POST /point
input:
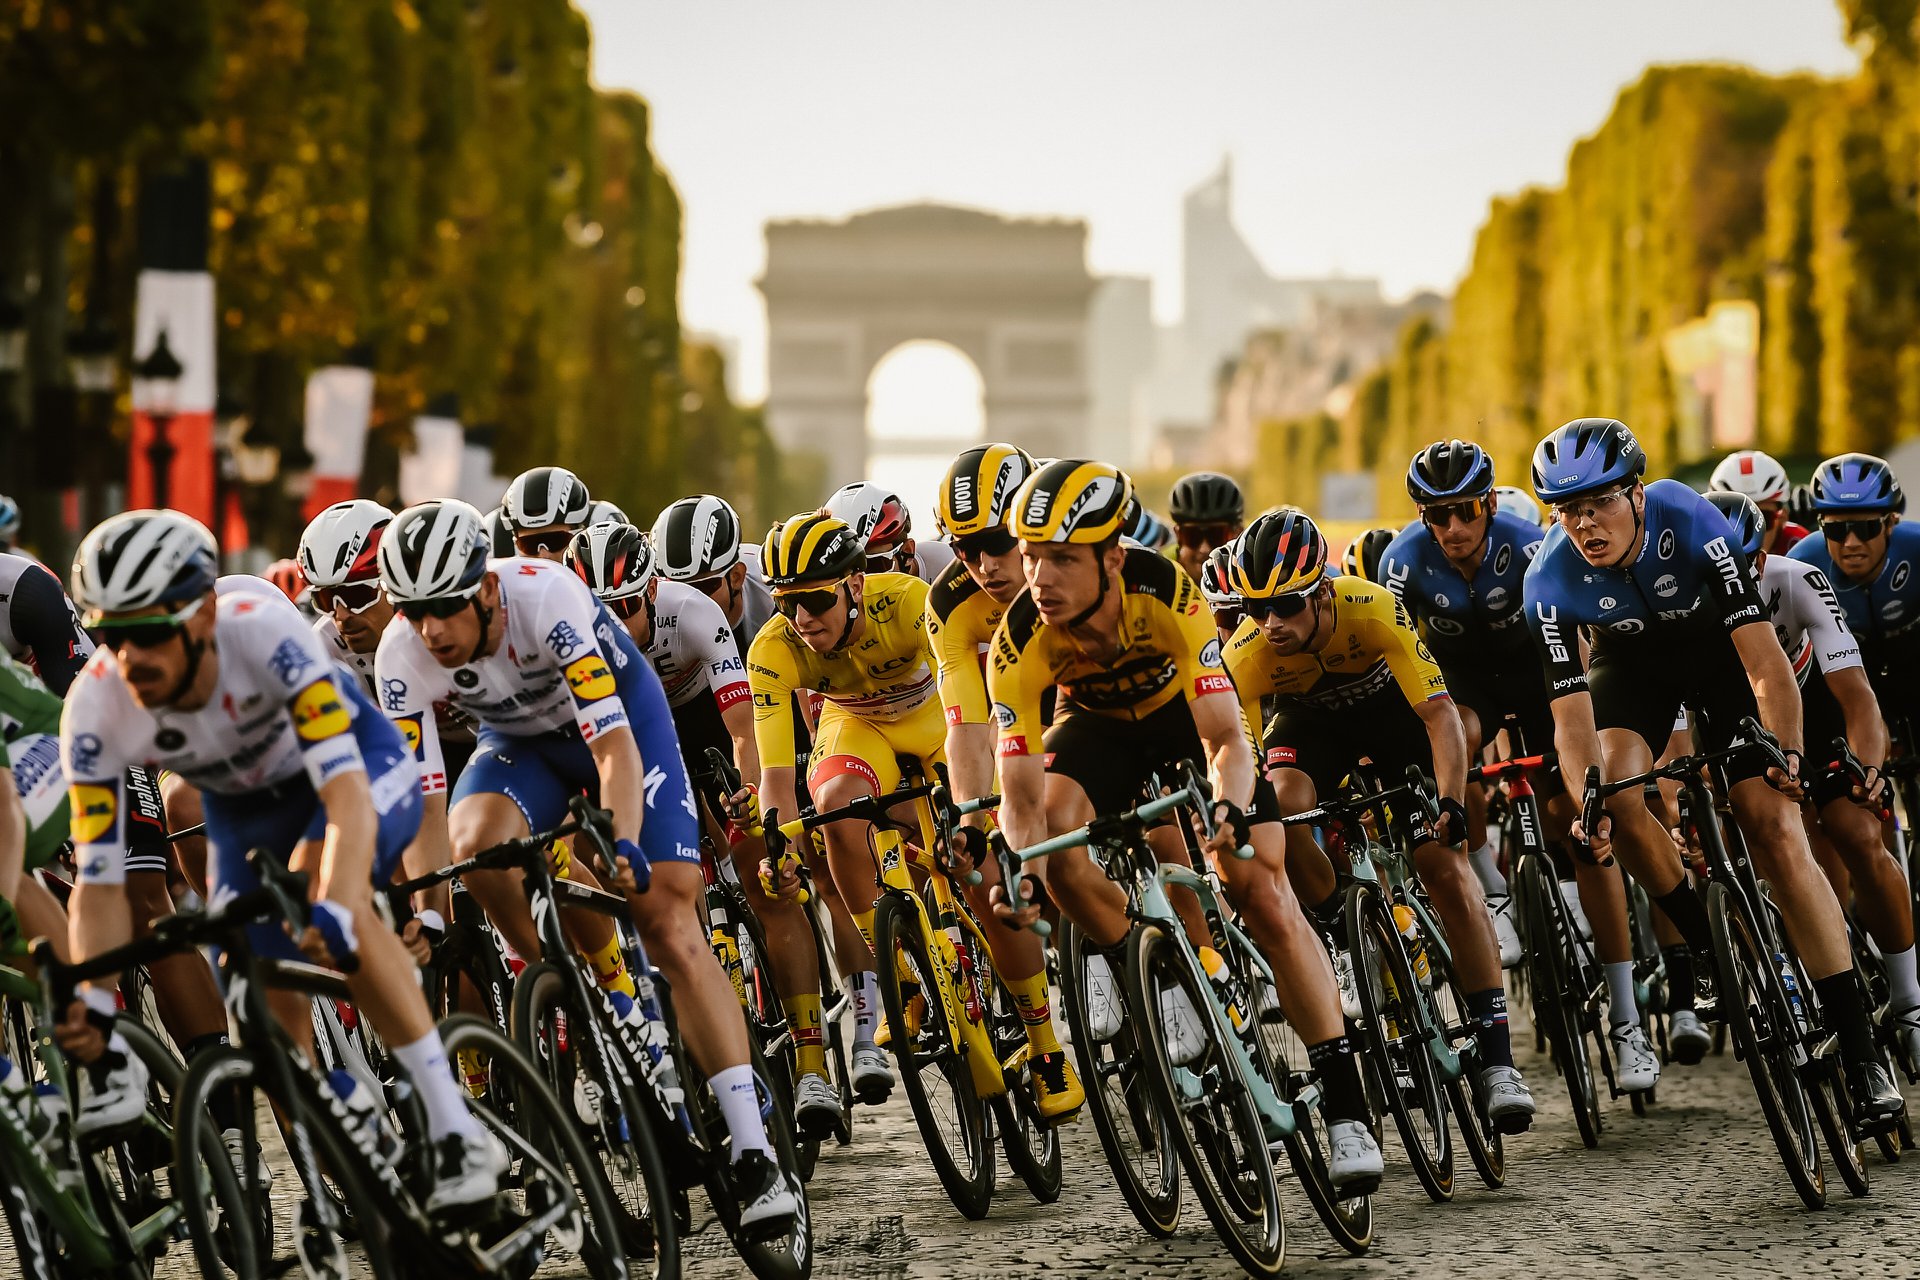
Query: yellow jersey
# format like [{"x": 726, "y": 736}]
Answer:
[{"x": 960, "y": 623}]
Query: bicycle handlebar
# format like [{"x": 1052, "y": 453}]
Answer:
[
  {"x": 1544, "y": 762},
  {"x": 593, "y": 822},
  {"x": 1353, "y": 803},
  {"x": 1848, "y": 763},
  {"x": 1756, "y": 738}
]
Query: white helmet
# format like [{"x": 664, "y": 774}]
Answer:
[
  {"x": 142, "y": 559},
  {"x": 1753, "y": 473},
  {"x": 432, "y": 551},
  {"x": 600, "y": 511},
  {"x": 874, "y": 513},
  {"x": 696, "y": 537},
  {"x": 544, "y": 497},
  {"x": 342, "y": 544},
  {"x": 499, "y": 536},
  {"x": 613, "y": 559},
  {"x": 1516, "y": 502}
]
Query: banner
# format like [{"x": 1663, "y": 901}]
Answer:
[
  {"x": 179, "y": 304},
  {"x": 339, "y": 408},
  {"x": 433, "y": 469}
]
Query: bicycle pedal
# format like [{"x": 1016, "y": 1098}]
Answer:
[{"x": 1357, "y": 1189}]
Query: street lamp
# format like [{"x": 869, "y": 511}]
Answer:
[
  {"x": 90, "y": 358},
  {"x": 161, "y": 371}
]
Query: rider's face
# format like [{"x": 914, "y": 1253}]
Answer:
[
  {"x": 824, "y": 632},
  {"x": 1064, "y": 577},
  {"x": 1854, "y": 556},
  {"x": 154, "y": 672},
  {"x": 1458, "y": 538},
  {"x": 1602, "y": 527},
  {"x": 452, "y": 641},
  {"x": 1292, "y": 633},
  {"x": 999, "y": 576}
]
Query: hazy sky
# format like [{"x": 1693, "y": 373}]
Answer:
[{"x": 1367, "y": 135}]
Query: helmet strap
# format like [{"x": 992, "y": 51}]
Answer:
[
  {"x": 485, "y": 615},
  {"x": 1080, "y": 619},
  {"x": 195, "y": 650},
  {"x": 851, "y": 616}
]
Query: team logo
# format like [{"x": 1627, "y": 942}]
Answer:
[
  {"x": 91, "y": 811},
  {"x": 83, "y": 755},
  {"x": 1210, "y": 656},
  {"x": 1665, "y": 585},
  {"x": 409, "y": 727},
  {"x": 1607, "y": 602},
  {"x": 289, "y": 662},
  {"x": 1003, "y": 715},
  {"x": 170, "y": 739},
  {"x": 1627, "y": 626},
  {"x": 589, "y": 678},
  {"x": 1901, "y": 572},
  {"x": 1446, "y": 626},
  {"x": 1666, "y": 544},
  {"x": 1501, "y": 559},
  {"x": 393, "y": 694},
  {"x": 1441, "y": 600},
  {"x": 318, "y": 713},
  {"x": 466, "y": 678},
  {"x": 563, "y": 640},
  {"x": 1497, "y": 599}
]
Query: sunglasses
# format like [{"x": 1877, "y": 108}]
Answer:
[
  {"x": 710, "y": 586},
  {"x": 1203, "y": 535},
  {"x": 1227, "y": 617},
  {"x": 625, "y": 607},
  {"x": 1442, "y": 514},
  {"x": 815, "y": 600},
  {"x": 988, "y": 542},
  {"x": 882, "y": 564},
  {"x": 357, "y": 597},
  {"x": 147, "y": 631},
  {"x": 439, "y": 607},
  {"x": 1286, "y": 606},
  {"x": 1840, "y": 530},
  {"x": 532, "y": 544},
  {"x": 1587, "y": 509}
]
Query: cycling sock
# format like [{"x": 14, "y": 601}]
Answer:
[
  {"x": 803, "y": 1016},
  {"x": 1682, "y": 906},
  {"x": 1680, "y": 993},
  {"x": 1847, "y": 1017},
  {"x": 610, "y": 969},
  {"x": 863, "y": 921},
  {"x": 1338, "y": 1067},
  {"x": 225, "y": 1103},
  {"x": 740, "y": 1108},
  {"x": 1623, "y": 1009},
  {"x": 1903, "y": 988},
  {"x": 865, "y": 987},
  {"x": 1036, "y": 1014},
  {"x": 1489, "y": 1009},
  {"x": 1487, "y": 867},
  {"x": 425, "y": 1061}
]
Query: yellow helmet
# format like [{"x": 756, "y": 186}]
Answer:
[
  {"x": 976, "y": 494},
  {"x": 813, "y": 547},
  {"x": 1281, "y": 553},
  {"x": 1072, "y": 500}
]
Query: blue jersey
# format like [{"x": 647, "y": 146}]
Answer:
[
  {"x": 1688, "y": 567},
  {"x": 1478, "y": 623},
  {"x": 1884, "y": 614}
]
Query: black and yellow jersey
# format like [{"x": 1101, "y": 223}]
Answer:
[
  {"x": 887, "y": 674},
  {"x": 1373, "y": 648},
  {"x": 961, "y": 619},
  {"x": 1165, "y": 647}
]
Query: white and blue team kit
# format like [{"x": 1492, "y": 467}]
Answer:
[
  {"x": 283, "y": 720},
  {"x": 563, "y": 674}
]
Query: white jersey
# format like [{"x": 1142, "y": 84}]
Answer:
[
  {"x": 553, "y": 668},
  {"x": 756, "y": 599},
  {"x": 1807, "y": 618},
  {"x": 361, "y": 664},
  {"x": 931, "y": 557},
  {"x": 275, "y": 711},
  {"x": 693, "y": 650}
]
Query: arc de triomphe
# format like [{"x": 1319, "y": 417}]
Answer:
[{"x": 1010, "y": 293}]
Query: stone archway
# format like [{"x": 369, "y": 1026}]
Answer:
[{"x": 1011, "y": 294}]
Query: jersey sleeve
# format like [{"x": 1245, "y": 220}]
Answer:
[
  {"x": 96, "y": 800},
  {"x": 407, "y": 693},
  {"x": 1017, "y": 678},
  {"x": 956, "y": 653},
  {"x": 1205, "y": 664},
  {"x": 726, "y": 671},
  {"x": 1728, "y": 582},
  {"x": 1398, "y": 563},
  {"x": 1553, "y": 634},
  {"x": 773, "y": 675},
  {"x": 297, "y": 667},
  {"x": 45, "y": 625},
  {"x": 573, "y": 643},
  {"x": 1413, "y": 668},
  {"x": 1834, "y": 645}
]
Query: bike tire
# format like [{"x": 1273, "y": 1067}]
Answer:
[
  {"x": 1486, "y": 1149},
  {"x": 1032, "y": 1146},
  {"x": 956, "y": 1134},
  {"x": 1547, "y": 966},
  {"x": 1403, "y": 1069},
  {"x": 1229, "y": 1165},
  {"x": 230, "y": 1226},
  {"x": 1349, "y": 1219},
  {"x": 1131, "y": 1129},
  {"x": 36, "y": 1249},
  {"x": 1749, "y": 1008}
]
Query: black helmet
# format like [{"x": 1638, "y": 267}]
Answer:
[
  {"x": 1448, "y": 470},
  {"x": 1749, "y": 526},
  {"x": 1365, "y": 552},
  {"x": 1206, "y": 497}
]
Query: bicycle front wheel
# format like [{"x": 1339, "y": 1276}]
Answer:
[{"x": 1281, "y": 1055}]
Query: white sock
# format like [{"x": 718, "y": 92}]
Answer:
[
  {"x": 1487, "y": 867},
  {"x": 1903, "y": 988},
  {"x": 740, "y": 1107},
  {"x": 444, "y": 1097},
  {"x": 866, "y": 1005},
  {"x": 1622, "y": 1007}
]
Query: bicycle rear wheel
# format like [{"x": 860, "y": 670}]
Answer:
[
  {"x": 1133, "y": 1133},
  {"x": 229, "y": 1221},
  {"x": 1485, "y": 1147},
  {"x": 1548, "y": 963},
  {"x": 1281, "y": 1056},
  {"x": 1212, "y": 1120},
  {"x": 1031, "y": 1144}
]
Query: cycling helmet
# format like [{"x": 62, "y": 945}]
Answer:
[
  {"x": 1749, "y": 526},
  {"x": 814, "y": 547},
  {"x": 499, "y": 535},
  {"x": 1072, "y": 500},
  {"x": 289, "y": 579},
  {"x": 1448, "y": 471},
  {"x": 1753, "y": 473},
  {"x": 432, "y": 551},
  {"x": 342, "y": 544},
  {"x": 874, "y": 513},
  {"x": 9, "y": 518},
  {"x": 1857, "y": 482},
  {"x": 544, "y": 497},
  {"x": 600, "y": 511},
  {"x": 1586, "y": 455},
  {"x": 696, "y": 538},
  {"x": 1516, "y": 501},
  {"x": 1800, "y": 507},
  {"x": 614, "y": 560},
  {"x": 143, "y": 560},
  {"x": 977, "y": 492},
  {"x": 1281, "y": 553},
  {"x": 1145, "y": 528},
  {"x": 1215, "y": 573},
  {"x": 1206, "y": 497},
  {"x": 1362, "y": 559}
]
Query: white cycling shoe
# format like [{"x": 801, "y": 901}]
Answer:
[
  {"x": 1636, "y": 1068},
  {"x": 816, "y": 1107},
  {"x": 467, "y": 1170},
  {"x": 1106, "y": 1011},
  {"x": 236, "y": 1144},
  {"x": 1354, "y": 1163},
  {"x": 1906, "y": 1037},
  {"x": 872, "y": 1072},
  {"x": 1348, "y": 984},
  {"x": 1501, "y": 909},
  {"x": 1687, "y": 1037},
  {"x": 1184, "y": 1029},
  {"x": 115, "y": 1097}
]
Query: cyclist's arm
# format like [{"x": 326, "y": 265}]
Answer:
[
  {"x": 963, "y": 694},
  {"x": 44, "y": 624},
  {"x": 345, "y": 874},
  {"x": 727, "y": 677},
  {"x": 13, "y": 846},
  {"x": 623, "y": 779},
  {"x": 1774, "y": 688},
  {"x": 1230, "y": 768},
  {"x": 773, "y": 677},
  {"x": 1576, "y": 739},
  {"x": 1576, "y": 736},
  {"x": 1866, "y": 731},
  {"x": 1837, "y": 652},
  {"x": 1449, "y": 739}
]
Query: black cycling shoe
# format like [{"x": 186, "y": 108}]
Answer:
[
  {"x": 766, "y": 1201},
  {"x": 1877, "y": 1102}
]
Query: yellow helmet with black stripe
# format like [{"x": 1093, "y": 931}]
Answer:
[
  {"x": 1072, "y": 500},
  {"x": 814, "y": 547},
  {"x": 1281, "y": 553},
  {"x": 976, "y": 494}
]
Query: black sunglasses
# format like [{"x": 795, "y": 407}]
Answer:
[
  {"x": 815, "y": 603},
  {"x": 988, "y": 542},
  {"x": 1227, "y": 617},
  {"x": 1442, "y": 514},
  {"x": 710, "y": 586},
  {"x": 1203, "y": 535},
  {"x": 625, "y": 607},
  {"x": 1865, "y": 530},
  {"x": 1285, "y": 606},
  {"x": 146, "y": 632},
  {"x": 440, "y": 607},
  {"x": 534, "y": 543},
  {"x": 358, "y": 597}
]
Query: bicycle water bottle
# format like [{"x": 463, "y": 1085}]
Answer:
[
  {"x": 365, "y": 1116},
  {"x": 1794, "y": 999},
  {"x": 1224, "y": 985},
  {"x": 1409, "y": 926}
]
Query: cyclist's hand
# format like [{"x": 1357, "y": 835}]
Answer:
[
  {"x": 780, "y": 877},
  {"x": 80, "y": 1035},
  {"x": 1599, "y": 841},
  {"x": 1787, "y": 781},
  {"x": 743, "y": 807},
  {"x": 329, "y": 940},
  {"x": 632, "y": 873},
  {"x": 1023, "y": 911},
  {"x": 422, "y": 934},
  {"x": 1871, "y": 791},
  {"x": 1451, "y": 829}
]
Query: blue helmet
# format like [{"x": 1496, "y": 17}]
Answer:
[
  {"x": 1749, "y": 526},
  {"x": 1585, "y": 455},
  {"x": 9, "y": 518},
  {"x": 1857, "y": 482},
  {"x": 1447, "y": 470}
]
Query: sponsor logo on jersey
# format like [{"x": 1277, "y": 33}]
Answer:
[
  {"x": 1003, "y": 715},
  {"x": 589, "y": 678},
  {"x": 1282, "y": 756},
  {"x": 1013, "y": 745},
  {"x": 604, "y": 723},
  {"x": 1497, "y": 599},
  {"x": 409, "y": 727},
  {"x": 170, "y": 739},
  {"x": 466, "y": 678},
  {"x": 1900, "y": 574},
  {"x": 1210, "y": 655},
  {"x": 1665, "y": 585},
  {"x": 1501, "y": 559},
  {"x": 1549, "y": 618},
  {"x": 1440, "y": 598},
  {"x": 564, "y": 640},
  {"x": 90, "y": 812},
  {"x": 1666, "y": 544},
  {"x": 1628, "y": 626},
  {"x": 83, "y": 753},
  {"x": 1207, "y": 684},
  {"x": 318, "y": 712},
  {"x": 289, "y": 662},
  {"x": 1447, "y": 626},
  {"x": 393, "y": 694},
  {"x": 1607, "y": 602},
  {"x": 1722, "y": 556}
]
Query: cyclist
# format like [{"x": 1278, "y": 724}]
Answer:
[
  {"x": 697, "y": 541},
  {"x": 1813, "y": 631},
  {"x": 600, "y": 511},
  {"x": 324, "y": 780},
  {"x": 1759, "y": 477},
  {"x": 1208, "y": 511},
  {"x": 1141, "y": 528},
  {"x": 1653, "y": 572},
  {"x": 1458, "y": 571},
  {"x": 1518, "y": 502},
  {"x": 38, "y": 624},
  {"x": 883, "y": 522},
  {"x": 963, "y": 609},
  {"x": 285, "y": 575},
  {"x": 1121, "y": 634},
  {"x": 338, "y": 556},
  {"x": 543, "y": 508},
  {"x": 10, "y": 530},
  {"x": 566, "y": 704},
  {"x": 499, "y": 534},
  {"x": 1215, "y": 585},
  {"x": 1362, "y": 558}
]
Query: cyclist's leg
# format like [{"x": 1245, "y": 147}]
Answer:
[
  {"x": 183, "y": 810},
  {"x": 853, "y": 758},
  {"x": 1092, "y": 768}
]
